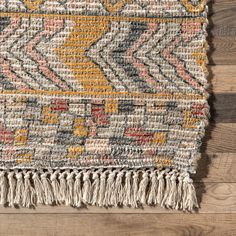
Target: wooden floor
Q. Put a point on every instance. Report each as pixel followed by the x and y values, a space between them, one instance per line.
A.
pixel 215 181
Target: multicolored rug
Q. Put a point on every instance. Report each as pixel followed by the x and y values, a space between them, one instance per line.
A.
pixel 102 102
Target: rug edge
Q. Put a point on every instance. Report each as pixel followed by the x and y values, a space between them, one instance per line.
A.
pixel 102 187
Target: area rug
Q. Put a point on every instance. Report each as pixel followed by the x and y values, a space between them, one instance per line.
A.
pixel 102 102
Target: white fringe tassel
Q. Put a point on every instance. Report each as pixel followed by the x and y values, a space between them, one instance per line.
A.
pixel 103 188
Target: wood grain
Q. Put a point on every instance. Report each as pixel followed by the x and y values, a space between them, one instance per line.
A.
pixel 222 97
pixel 216 168
pixel 222 32
pixel 118 225
pixel 223 107
pixel 222 79
pixel 220 138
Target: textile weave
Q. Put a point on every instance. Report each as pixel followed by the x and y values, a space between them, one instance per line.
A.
pixel 102 102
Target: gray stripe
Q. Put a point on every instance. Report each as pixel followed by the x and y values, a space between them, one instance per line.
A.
pixel 136 30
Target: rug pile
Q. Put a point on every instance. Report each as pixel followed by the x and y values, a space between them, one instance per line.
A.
pixel 102 102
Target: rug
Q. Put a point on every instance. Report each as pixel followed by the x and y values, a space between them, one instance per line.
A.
pixel 102 102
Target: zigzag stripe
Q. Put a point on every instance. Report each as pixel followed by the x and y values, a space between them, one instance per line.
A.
pixel 31 68
pixel 147 48
pixel 137 62
pixel 6 69
pixel 171 81
pixel 118 71
pixel 94 54
pixel 141 54
pixel 46 48
pixel 129 54
pixel 179 66
pixel 119 54
pixel 190 44
pixel 114 45
pixel 43 67
pixel 102 53
pixel 187 46
pixel 17 56
pixel 116 48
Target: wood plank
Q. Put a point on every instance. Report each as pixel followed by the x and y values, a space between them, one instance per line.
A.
pixel 220 138
pixel 213 198
pixel 118 225
pixel 223 107
pixel 222 50
pixel 222 79
pixel 216 168
pixel 217 197
pixel 222 33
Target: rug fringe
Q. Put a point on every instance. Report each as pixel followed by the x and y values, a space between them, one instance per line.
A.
pixel 103 188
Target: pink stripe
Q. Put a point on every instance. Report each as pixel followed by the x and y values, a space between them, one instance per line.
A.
pixel 50 28
pixel 143 72
pixel 6 70
pixel 179 65
pixel 15 22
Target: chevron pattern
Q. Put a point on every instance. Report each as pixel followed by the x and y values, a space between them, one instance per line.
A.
pixel 134 52
pixel 27 54
pixel 119 56
pixel 87 73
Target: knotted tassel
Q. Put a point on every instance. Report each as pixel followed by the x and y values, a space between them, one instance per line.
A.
pixel 152 197
pixel 143 187
pixel 47 188
pixel 77 190
pixel 55 186
pixel 127 189
pixel 135 189
pixel 171 200
pixel 12 188
pixel 167 190
pixel 95 188
pixel 19 188
pixel 70 189
pixel 179 200
pixel 38 186
pixel 86 190
pixel 161 187
pixel 189 194
pixel 62 189
pixel 110 188
pixel 29 194
pixel 102 188
pixel 3 188
pixel 117 195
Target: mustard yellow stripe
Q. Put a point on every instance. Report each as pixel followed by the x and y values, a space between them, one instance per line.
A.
pixel 95 18
pixel 108 94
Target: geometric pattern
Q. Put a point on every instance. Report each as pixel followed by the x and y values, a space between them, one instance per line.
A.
pixel 102 83
pixel 127 132
pixel 138 8
pixel 112 63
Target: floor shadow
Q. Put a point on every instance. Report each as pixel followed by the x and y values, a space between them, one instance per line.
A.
pixel 205 160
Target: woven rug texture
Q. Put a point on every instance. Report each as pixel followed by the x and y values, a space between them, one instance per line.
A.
pixel 102 102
